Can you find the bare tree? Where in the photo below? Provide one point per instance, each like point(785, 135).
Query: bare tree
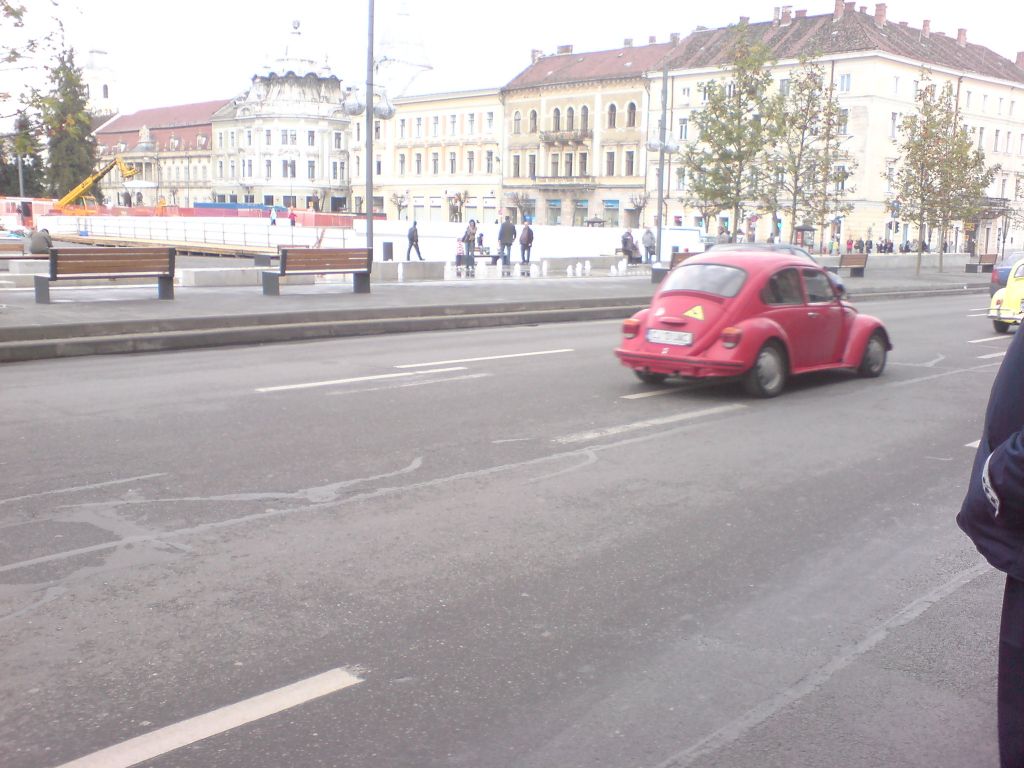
point(456, 205)
point(401, 202)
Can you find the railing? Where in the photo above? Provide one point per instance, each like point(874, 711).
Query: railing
point(568, 182)
point(566, 137)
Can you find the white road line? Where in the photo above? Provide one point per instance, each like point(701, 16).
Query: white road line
point(1004, 337)
point(975, 444)
point(652, 393)
point(408, 384)
point(187, 732)
point(378, 377)
point(492, 357)
point(581, 437)
point(983, 314)
point(76, 488)
point(989, 357)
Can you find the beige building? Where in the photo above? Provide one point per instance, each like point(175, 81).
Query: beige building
point(438, 159)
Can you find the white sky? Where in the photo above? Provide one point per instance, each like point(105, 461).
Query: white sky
point(197, 50)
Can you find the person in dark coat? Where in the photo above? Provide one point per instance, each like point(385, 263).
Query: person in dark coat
point(414, 242)
point(525, 243)
point(992, 515)
point(506, 236)
point(40, 242)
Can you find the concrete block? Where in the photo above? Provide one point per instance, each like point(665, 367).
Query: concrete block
point(217, 276)
point(28, 266)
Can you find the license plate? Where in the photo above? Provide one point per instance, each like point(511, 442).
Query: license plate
point(678, 338)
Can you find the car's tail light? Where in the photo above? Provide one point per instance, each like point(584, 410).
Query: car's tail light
point(995, 276)
point(630, 328)
point(731, 337)
point(999, 303)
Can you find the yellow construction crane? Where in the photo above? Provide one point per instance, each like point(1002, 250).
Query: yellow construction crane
point(126, 171)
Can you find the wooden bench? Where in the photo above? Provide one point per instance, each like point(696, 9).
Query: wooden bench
point(985, 263)
point(855, 262)
point(321, 261)
point(678, 258)
point(15, 249)
point(106, 264)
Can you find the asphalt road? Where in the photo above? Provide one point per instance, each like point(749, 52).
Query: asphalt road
point(424, 550)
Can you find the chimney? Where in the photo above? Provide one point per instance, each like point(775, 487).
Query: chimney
point(879, 14)
point(776, 15)
point(787, 16)
point(536, 55)
point(744, 19)
point(652, 40)
point(627, 43)
point(863, 9)
point(926, 28)
point(801, 14)
point(849, 6)
point(904, 25)
point(674, 38)
point(837, 14)
point(961, 37)
point(568, 48)
point(1020, 59)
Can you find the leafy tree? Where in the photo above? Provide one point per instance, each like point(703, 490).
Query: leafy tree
point(941, 176)
point(67, 125)
point(698, 196)
point(723, 163)
point(24, 144)
point(17, 46)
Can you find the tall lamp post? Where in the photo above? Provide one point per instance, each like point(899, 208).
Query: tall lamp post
point(381, 109)
point(661, 146)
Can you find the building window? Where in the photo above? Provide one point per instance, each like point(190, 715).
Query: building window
point(220, 140)
point(359, 137)
point(554, 212)
point(376, 129)
point(334, 170)
point(267, 168)
point(248, 168)
point(311, 138)
point(984, 102)
point(490, 161)
point(611, 115)
point(472, 123)
point(844, 83)
point(451, 125)
point(470, 162)
point(893, 122)
point(631, 115)
point(556, 120)
point(419, 127)
point(435, 163)
point(220, 169)
point(531, 163)
point(311, 169)
point(967, 99)
point(515, 166)
point(981, 137)
point(1009, 143)
point(681, 179)
point(517, 123)
point(584, 118)
point(533, 121)
point(435, 126)
point(284, 136)
point(568, 164)
point(293, 137)
point(377, 165)
point(583, 163)
point(451, 162)
point(570, 119)
point(490, 121)
point(995, 141)
point(401, 128)
point(266, 137)
point(684, 128)
point(337, 139)
point(401, 165)
point(554, 165)
point(288, 169)
point(609, 164)
point(784, 87)
point(419, 164)
point(629, 162)
point(248, 138)
point(730, 90)
point(841, 175)
point(844, 122)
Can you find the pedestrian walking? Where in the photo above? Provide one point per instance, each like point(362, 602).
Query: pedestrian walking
point(992, 515)
point(849, 245)
point(414, 242)
point(506, 236)
point(868, 245)
point(649, 241)
point(292, 217)
point(273, 216)
point(469, 238)
point(525, 243)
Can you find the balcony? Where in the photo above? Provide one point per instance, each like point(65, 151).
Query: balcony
point(566, 137)
point(580, 183)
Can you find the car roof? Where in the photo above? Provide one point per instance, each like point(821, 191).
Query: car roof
point(752, 260)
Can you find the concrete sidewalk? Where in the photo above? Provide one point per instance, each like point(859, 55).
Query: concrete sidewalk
point(106, 319)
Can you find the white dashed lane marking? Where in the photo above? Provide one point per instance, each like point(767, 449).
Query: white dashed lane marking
point(357, 379)
point(581, 437)
point(975, 444)
point(652, 393)
point(1004, 337)
point(483, 359)
point(172, 737)
point(994, 354)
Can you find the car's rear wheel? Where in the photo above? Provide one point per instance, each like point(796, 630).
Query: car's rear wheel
point(768, 375)
point(1000, 326)
point(651, 378)
point(873, 362)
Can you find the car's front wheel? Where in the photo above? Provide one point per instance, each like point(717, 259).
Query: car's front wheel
point(873, 362)
point(651, 378)
point(767, 376)
point(1000, 326)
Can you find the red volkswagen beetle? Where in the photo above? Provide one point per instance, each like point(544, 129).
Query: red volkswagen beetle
point(756, 315)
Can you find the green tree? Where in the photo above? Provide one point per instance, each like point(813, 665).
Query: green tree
point(723, 163)
point(67, 125)
point(941, 176)
point(22, 144)
point(18, 45)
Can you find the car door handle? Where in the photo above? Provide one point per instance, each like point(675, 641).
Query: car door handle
point(813, 314)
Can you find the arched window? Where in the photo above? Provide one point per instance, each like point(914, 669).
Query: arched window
point(570, 119)
point(556, 120)
point(611, 115)
point(533, 121)
point(631, 115)
point(584, 118)
point(517, 123)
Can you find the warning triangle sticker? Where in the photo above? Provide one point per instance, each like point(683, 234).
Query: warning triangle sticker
point(697, 313)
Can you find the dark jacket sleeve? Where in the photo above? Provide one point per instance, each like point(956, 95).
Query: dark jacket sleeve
point(992, 514)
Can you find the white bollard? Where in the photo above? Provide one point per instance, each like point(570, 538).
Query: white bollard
point(401, 272)
point(613, 271)
point(543, 269)
point(449, 270)
point(586, 268)
point(622, 266)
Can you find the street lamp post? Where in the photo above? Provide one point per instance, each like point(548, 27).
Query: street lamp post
point(661, 146)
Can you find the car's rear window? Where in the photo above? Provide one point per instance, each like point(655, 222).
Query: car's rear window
point(716, 279)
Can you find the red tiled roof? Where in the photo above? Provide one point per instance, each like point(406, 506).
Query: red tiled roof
point(600, 65)
point(855, 31)
point(165, 117)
